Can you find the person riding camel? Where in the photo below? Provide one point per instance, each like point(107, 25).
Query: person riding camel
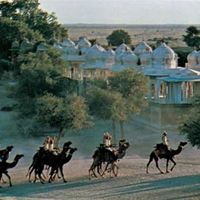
point(49, 143)
point(165, 141)
point(107, 140)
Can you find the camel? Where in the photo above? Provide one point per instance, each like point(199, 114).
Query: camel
point(45, 157)
point(169, 155)
point(59, 163)
point(4, 166)
point(103, 155)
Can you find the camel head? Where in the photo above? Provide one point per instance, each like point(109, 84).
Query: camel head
point(9, 148)
point(123, 145)
point(67, 144)
point(72, 150)
point(18, 156)
point(182, 144)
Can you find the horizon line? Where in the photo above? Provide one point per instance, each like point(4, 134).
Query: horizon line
point(100, 24)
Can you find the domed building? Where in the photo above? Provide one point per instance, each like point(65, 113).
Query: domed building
point(96, 62)
point(192, 59)
point(142, 48)
point(129, 59)
point(167, 82)
point(122, 48)
point(144, 52)
point(83, 45)
point(67, 43)
point(164, 56)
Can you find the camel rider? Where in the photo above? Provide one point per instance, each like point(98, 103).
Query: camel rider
point(107, 140)
point(165, 141)
point(49, 143)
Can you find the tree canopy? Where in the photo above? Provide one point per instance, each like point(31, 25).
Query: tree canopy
point(123, 97)
point(192, 37)
point(118, 37)
point(25, 19)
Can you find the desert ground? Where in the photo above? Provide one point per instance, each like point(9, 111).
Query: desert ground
point(132, 182)
point(173, 34)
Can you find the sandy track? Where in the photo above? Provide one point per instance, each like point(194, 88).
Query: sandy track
point(132, 182)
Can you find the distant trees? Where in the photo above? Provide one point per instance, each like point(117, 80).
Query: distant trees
point(192, 38)
point(62, 113)
point(131, 85)
point(118, 37)
point(123, 97)
point(191, 125)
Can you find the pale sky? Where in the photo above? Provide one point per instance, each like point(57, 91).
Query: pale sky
point(125, 11)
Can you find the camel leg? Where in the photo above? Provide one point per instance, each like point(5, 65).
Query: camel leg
point(150, 160)
point(99, 167)
point(105, 169)
point(41, 179)
point(92, 168)
point(62, 174)
point(9, 178)
point(167, 164)
point(156, 161)
point(29, 174)
point(147, 167)
point(173, 163)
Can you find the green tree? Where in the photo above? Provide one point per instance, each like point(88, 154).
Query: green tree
point(191, 125)
point(118, 37)
point(40, 73)
point(10, 31)
point(28, 12)
point(105, 105)
point(62, 113)
point(132, 87)
point(123, 96)
point(192, 37)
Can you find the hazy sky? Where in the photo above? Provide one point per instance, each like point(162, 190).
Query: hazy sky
point(125, 11)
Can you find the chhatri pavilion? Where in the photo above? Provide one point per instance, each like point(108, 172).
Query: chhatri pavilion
point(168, 83)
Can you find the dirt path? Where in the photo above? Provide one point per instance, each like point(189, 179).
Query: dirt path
point(132, 183)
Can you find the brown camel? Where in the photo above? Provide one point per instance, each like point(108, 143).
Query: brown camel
point(103, 155)
point(4, 166)
point(48, 158)
point(58, 164)
point(169, 155)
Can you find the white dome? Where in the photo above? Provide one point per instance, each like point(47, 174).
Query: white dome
point(95, 53)
point(192, 58)
point(141, 48)
point(83, 42)
point(109, 56)
point(122, 48)
point(164, 56)
point(129, 59)
point(67, 43)
point(73, 50)
point(146, 59)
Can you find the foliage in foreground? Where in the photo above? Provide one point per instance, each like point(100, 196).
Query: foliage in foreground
point(191, 126)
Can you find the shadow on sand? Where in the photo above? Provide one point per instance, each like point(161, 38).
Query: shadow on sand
point(189, 184)
point(28, 189)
